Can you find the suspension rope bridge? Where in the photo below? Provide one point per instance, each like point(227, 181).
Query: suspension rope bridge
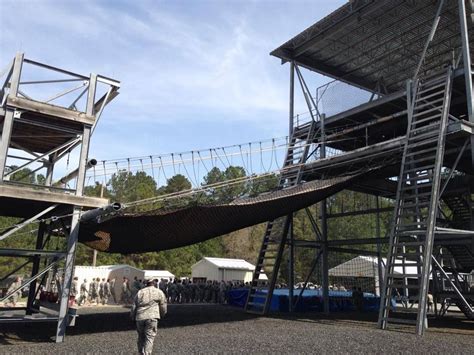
point(257, 187)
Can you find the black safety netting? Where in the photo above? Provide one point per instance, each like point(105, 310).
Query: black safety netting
point(194, 222)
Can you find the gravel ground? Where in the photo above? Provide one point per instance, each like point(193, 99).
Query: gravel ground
point(223, 329)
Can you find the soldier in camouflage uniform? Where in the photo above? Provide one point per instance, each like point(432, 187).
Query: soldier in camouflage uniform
point(82, 293)
point(106, 292)
point(194, 289)
point(200, 292)
point(94, 291)
point(180, 292)
point(149, 305)
point(74, 289)
point(112, 290)
point(17, 294)
point(215, 291)
point(188, 292)
point(173, 292)
point(101, 291)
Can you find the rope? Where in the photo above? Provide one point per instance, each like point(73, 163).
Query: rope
point(152, 170)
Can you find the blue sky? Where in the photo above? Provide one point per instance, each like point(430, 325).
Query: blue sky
point(194, 74)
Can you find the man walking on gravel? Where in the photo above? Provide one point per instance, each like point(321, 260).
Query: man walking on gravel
point(149, 305)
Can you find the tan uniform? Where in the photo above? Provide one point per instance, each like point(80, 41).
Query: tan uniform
point(149, 305)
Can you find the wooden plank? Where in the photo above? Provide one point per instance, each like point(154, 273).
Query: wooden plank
point(50, 110)
point(24, 193)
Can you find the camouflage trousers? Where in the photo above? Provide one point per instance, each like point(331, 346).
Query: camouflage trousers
point(147, 330)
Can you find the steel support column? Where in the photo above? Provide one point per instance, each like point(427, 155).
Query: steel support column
point(35, 268)
point(74, 231)
point(324, 228)
point(379, 247)
point(292, 98)
point(9, 113)
point(291, 268)
point(466, 55)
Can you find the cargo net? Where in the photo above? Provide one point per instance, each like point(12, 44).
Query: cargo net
point(336, 97)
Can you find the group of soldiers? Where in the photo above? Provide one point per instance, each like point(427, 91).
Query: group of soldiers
point(98, 291)
point(186, 291)
point(102, 291)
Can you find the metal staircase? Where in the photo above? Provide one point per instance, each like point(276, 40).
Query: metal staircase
point(463, 255)
point(275, 236)
point(465, 308)
point(453, 288)
point(461, 211)
point(416, 209)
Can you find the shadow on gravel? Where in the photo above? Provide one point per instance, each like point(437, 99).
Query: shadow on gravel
point(116, 319)
point(455, 323)
point(100, 321)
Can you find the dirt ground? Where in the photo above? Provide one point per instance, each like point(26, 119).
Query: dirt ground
point(224, 329)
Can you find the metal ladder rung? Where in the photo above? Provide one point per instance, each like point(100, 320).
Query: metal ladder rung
point(421, 159)
point(407, 255)
point(423, 151)
point(424, 98)
point(418, 169)
point(408, 244)
point(411, 228)
point(437, 108)
point(411, 232)
point(426, 119)
point(427, 104)
point(422, 136)
point(400, 320)
point(433, 78)
point(404, 287)
point(256, 304)
point(428, 127)
point(416, 205)
point(404, 275)
point(430, 88)
point(416, 186)
point(405, 264)
point(419, 196)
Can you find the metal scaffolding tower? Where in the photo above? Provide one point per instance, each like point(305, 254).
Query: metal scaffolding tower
point(414, 59)
point(38, 134)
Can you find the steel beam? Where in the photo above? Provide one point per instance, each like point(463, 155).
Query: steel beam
point(35, 268)
point(291, 269)
point(379, 247)
point(9, 114)
point(324, 229)
point(63, 319)
point(292, 98)
point(434, 27)
point(466, 55)
point(26, 222)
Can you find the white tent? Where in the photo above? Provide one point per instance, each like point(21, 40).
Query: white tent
point(367, 266)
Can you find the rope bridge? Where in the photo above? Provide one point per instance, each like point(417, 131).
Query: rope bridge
point(205, 211)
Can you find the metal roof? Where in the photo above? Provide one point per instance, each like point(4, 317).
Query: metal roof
point(238, 264)
point(366, 42)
